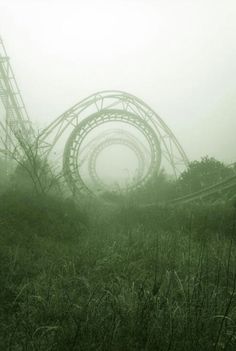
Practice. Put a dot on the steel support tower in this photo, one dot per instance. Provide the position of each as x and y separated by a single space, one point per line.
15 121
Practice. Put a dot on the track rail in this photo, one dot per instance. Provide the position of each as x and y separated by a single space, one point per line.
221 189
225 190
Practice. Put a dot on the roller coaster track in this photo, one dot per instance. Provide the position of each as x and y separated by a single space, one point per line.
225 189
88 114
16 122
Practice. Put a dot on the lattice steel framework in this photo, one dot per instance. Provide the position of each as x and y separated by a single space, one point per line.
92 164
87 150
71 164
92 150
16 121
111 106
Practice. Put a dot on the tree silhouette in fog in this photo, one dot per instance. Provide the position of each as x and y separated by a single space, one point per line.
204 173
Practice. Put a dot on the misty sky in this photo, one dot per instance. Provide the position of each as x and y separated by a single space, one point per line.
179 56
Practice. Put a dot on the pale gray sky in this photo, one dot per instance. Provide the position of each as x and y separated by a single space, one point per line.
179 56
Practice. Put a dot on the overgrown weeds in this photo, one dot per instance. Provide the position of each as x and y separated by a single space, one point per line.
116 279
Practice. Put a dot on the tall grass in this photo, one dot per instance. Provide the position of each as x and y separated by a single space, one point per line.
116 278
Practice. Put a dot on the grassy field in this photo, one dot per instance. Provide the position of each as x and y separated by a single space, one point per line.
116 278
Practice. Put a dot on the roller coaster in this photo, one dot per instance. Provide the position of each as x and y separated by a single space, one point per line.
93 125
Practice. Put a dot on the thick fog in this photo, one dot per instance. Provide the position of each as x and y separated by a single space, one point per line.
179 56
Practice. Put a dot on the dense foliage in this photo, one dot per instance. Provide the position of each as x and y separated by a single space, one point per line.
204 173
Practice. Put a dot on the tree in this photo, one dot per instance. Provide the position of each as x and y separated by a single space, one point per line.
32 169
204 173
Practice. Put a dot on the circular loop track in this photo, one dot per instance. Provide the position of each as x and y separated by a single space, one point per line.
71 154
107 107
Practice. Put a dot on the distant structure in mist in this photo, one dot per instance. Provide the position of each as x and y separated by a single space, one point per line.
97 123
